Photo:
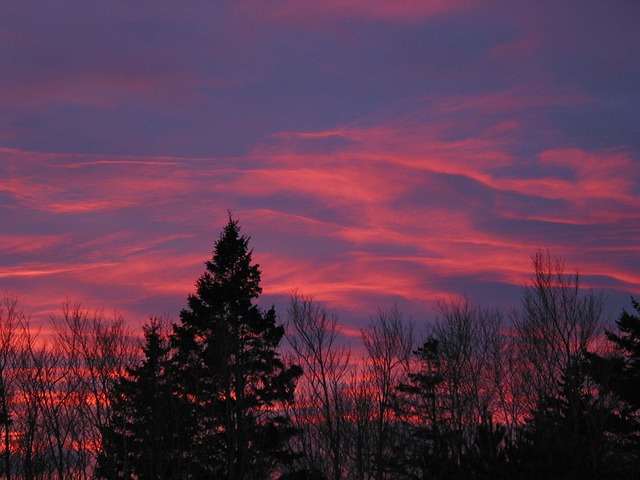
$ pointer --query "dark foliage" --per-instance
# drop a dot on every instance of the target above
(148, 431)
(435, 450)
(230, 372)
(618, 376)
(426, 453)
(565, 436)
(209, 403)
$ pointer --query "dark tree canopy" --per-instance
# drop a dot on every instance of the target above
(226, 349)
(625, 365)
(208, 401)
(148, 430)
(618, 375)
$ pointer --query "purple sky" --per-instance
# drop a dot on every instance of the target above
(376, 152)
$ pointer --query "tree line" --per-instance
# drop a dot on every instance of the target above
(228, 392)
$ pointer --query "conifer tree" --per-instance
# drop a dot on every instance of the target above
(618, 376)
(231, 374)
(565, 436)
(148, 431)
(624, 367)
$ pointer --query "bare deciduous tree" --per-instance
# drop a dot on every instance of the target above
(361, 408)
(556, 323)
(388, 341)
(322, 409)
(470, 345)
(54, 389)
(11, 317)
(96, 352)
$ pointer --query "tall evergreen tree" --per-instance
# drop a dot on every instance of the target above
(618, 375)
(564, 438)
(624, 366)
(419, 404)
(231, 374)
(148, 431)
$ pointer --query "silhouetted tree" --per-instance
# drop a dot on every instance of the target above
(322, 390)
(564, 438)
(11, 318)
(148, 432)
(558, 320)
(564, 434)
(623, 367)
(361, 405)
(468, 337)
(419, 405)
(29, 444)
(452, 396)
(230, 370)
(388, 341)
(96, 352)
(618, 376)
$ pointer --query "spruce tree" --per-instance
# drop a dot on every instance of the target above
(565, 437)
(231, 374)
(618, 376)
(148, 430)
(624, 367)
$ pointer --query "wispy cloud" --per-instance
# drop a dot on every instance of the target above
(376, 152)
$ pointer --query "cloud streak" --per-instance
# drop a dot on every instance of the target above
(375, 153)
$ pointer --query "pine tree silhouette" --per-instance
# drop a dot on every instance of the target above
(230, 371)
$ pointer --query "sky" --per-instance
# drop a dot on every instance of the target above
(376, 152)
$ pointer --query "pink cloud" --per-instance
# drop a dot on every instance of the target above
(383, 251)
(392, 153)
(26, 270)
(456, 158)
(23, 244)
(32, 180)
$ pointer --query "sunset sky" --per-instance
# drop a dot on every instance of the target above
(375, 151)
